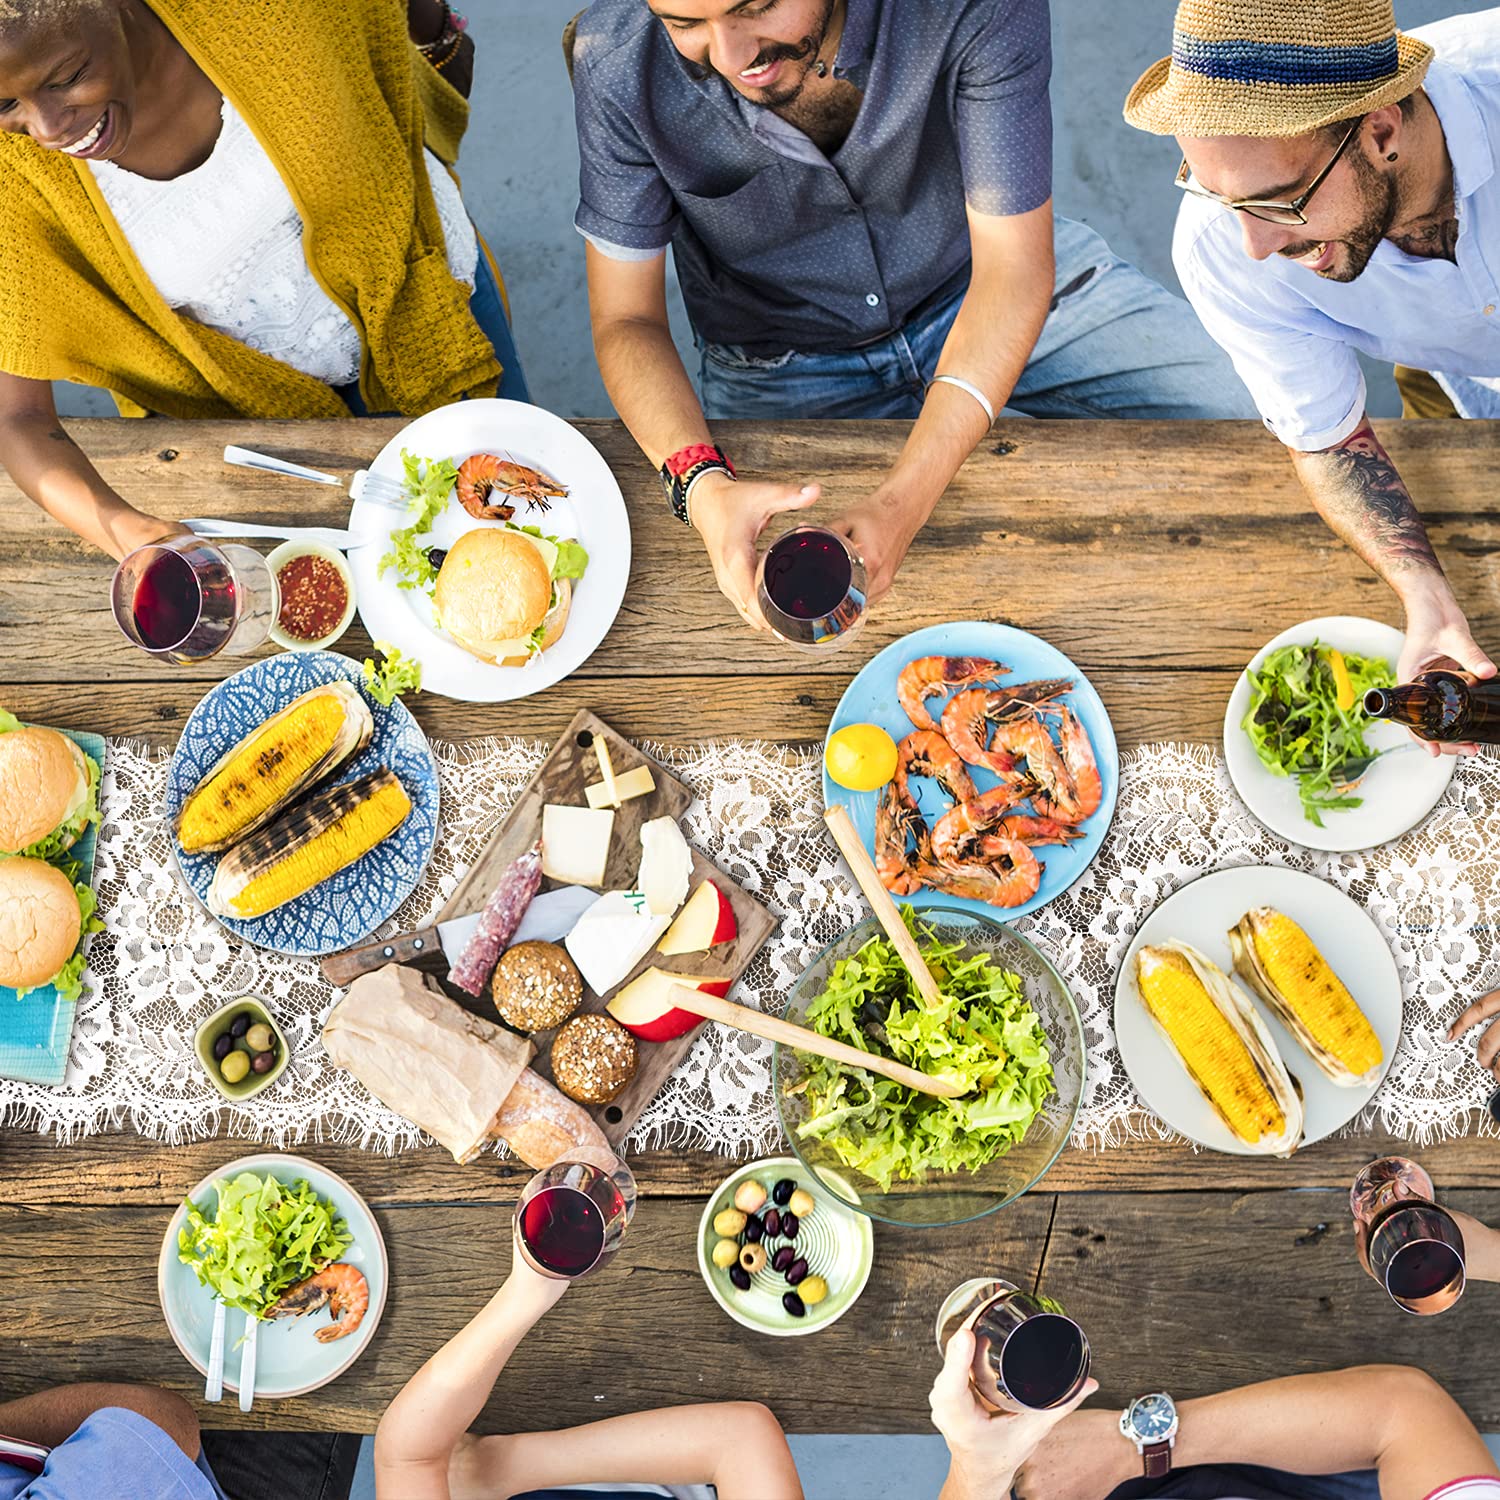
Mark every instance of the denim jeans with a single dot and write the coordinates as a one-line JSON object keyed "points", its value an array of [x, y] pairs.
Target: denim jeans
{"points": [[1247, 1482], [1115, 344]]}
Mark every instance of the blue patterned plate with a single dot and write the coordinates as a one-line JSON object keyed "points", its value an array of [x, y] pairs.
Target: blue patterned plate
{"points": [[871, 699], [347, 908], [35, 1032]]}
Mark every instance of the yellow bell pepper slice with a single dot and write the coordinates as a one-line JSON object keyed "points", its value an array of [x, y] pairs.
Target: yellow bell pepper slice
{"points": [[1343, 689]]}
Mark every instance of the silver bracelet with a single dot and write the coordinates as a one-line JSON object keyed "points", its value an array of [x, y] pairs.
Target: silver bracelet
{"points": [[972, 389]]}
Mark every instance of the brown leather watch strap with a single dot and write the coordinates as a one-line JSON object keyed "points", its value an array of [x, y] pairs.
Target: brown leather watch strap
{"points": [[1158, 1458]]}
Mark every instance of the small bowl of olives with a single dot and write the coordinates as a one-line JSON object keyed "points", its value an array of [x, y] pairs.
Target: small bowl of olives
{"points": [[779, 1251], [241, 1049]]}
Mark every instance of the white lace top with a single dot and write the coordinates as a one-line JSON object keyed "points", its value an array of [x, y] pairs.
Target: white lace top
{"points": [[223, 244]]}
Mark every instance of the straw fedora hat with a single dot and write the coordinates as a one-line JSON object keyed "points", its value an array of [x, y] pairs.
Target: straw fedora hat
{"points": [[1276, 67]]}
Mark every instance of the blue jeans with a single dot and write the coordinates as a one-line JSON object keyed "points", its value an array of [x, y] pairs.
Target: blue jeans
{"points": [[1247, 1482], [1115, 344], [488, 309]]}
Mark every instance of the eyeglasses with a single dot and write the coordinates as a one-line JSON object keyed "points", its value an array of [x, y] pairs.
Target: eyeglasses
{"points": [[1272, 213]]}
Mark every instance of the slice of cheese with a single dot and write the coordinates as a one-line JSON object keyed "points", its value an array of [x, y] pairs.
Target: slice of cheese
{"points": [[612, 937], [575, 843], [637, 783], [606, 772], [666, 865]]}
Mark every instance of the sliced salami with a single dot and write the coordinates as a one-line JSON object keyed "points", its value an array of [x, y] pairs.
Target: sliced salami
{"points": [[498, 922]]}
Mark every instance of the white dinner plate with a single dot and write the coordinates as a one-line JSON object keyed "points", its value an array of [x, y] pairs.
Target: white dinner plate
{"points": [[289, 1361], [593, 513], [1201, 913], [1398, 790]]}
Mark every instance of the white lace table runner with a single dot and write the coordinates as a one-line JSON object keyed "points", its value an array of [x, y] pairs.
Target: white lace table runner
{"points": [[160, 966]]}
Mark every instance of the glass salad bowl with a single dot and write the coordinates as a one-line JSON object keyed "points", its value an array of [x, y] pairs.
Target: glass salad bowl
{"points": [[826, 1127]]}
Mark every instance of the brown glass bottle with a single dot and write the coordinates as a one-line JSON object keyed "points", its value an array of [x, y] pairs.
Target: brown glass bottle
{"points": [[1441, 706]]}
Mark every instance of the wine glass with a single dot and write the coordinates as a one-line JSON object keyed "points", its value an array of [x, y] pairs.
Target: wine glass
{"points": [[1415, 1248], [1028, 1355], [572, 1216], [186, 599], [811, 587]]}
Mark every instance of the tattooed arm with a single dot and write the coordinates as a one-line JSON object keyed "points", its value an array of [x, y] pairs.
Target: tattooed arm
{"points": [[49, 467], [1359, 493]]}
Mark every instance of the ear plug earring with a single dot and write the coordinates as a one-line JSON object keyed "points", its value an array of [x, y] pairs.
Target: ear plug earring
{"points": [[1393, 156]]}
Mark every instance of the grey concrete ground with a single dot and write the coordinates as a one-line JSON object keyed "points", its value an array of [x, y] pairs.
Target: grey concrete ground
{"points": [[520, 171]]}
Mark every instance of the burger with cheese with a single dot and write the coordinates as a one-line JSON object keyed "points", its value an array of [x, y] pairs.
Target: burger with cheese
{"points": [[504, 592], [48, 790], [43, 917]]}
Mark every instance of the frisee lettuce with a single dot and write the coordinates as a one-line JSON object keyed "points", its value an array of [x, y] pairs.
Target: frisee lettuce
{"points": [[1298, 729], [983, 1035], [395, 675], [264, 1237], [428, 484]]}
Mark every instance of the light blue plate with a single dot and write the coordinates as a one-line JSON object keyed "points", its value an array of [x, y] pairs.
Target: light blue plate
{"points": [[871, 699], [347, 908], [35, 1032], [289, 1361]]}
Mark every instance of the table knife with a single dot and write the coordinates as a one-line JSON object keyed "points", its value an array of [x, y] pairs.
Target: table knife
{"points": [[550, 917]]}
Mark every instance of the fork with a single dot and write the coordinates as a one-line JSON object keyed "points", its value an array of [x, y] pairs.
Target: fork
{"points": [[362, 486]]}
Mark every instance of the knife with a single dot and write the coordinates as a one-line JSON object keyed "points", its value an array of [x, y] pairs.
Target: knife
{"points": [[550, 917]]}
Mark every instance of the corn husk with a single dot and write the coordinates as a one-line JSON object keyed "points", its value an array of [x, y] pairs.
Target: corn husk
{"points": [[1248, 1063], [1280, 963], [307, 845], [249, 784]]}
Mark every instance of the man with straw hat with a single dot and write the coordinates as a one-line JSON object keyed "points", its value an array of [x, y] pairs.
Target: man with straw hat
{"points": [[1341, 193]]}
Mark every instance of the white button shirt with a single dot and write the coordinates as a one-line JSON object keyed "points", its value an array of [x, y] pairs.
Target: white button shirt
{"points": [[1293, 336]]}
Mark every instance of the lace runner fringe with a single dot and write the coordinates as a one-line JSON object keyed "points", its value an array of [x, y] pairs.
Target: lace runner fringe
{"points": [[161, 965]]}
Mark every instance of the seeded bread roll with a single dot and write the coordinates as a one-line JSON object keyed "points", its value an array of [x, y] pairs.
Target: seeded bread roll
{"points": [[536, 986], [593, 1058]]}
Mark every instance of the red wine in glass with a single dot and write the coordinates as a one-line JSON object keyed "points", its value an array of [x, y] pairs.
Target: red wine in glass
{"points": [[1414, 1247], [571, 1217], [1425, 1276], [1044, 1361], [812, 587]]}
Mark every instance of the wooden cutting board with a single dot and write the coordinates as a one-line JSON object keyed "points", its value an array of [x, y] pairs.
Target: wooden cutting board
{"points": [[568, 769]]}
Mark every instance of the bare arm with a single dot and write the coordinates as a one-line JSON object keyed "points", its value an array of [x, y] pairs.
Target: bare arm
{"points": [[49, 468], [992, 337], [424, 24], [651, 391], [52, 1417], [1359, 492]]}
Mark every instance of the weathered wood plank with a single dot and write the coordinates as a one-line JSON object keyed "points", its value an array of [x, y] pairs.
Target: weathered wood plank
{"points": [[1195, 1293], [641, 1333]]}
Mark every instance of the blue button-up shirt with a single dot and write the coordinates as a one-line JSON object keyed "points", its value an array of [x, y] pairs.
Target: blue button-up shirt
{"points": [[777, 245]]}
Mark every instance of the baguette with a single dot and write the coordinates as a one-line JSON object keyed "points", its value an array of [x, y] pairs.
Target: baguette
{"points": [[542, 1125]]}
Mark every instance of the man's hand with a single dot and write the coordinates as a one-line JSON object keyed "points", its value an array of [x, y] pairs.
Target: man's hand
{"points": [[880, 528], [1487, 1050], [986, 1449], [730, 516], [1438, 639], [1084, 1458]]}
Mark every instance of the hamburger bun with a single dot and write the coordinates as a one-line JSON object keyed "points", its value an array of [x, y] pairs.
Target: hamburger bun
{"points": [[40, 923], [493, 590], [44, 780]]}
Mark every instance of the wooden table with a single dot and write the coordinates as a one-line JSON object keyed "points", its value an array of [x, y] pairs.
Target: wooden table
{"points": [[1159, 557]]}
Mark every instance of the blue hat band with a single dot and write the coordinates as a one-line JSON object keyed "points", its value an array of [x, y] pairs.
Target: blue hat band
{"points": [[1286, 62]]}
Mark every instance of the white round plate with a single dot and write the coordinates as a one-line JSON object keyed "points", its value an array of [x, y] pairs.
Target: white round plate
{"points": [[1399, 790], [1201, 913], [594, 512], [289, 1361]]}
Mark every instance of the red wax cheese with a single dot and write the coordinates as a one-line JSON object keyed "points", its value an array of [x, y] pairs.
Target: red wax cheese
{"points": [[644, 1007], [707, 919]]}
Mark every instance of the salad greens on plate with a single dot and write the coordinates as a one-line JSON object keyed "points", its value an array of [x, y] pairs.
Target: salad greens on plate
{"points": [[983, 1035], [264, 1237], [1307, 720]]}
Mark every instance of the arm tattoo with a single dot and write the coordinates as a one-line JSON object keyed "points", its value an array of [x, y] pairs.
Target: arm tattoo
{"points": [[59, 436], [1364, 499]]}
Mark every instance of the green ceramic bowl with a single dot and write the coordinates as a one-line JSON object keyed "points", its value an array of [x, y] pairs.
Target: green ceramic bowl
{"points": [[252, 1083], [838, 1245]]}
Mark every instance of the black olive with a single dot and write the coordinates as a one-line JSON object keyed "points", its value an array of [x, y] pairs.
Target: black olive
{"points": [[797, 1271], [222, 1043], [263, 1062], [754, 1229], [436, 556], [790, 1224], [740, 1277], [783, 1258], [772, 1222], [793, 1304], [241, 1024], [783, 1191]]}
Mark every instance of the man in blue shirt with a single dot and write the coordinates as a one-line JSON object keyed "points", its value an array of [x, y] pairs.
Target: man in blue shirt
{"points": [[857, 194]]}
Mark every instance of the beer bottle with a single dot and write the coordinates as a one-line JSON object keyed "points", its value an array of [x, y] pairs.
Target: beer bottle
{"points": [[1441, 706]]}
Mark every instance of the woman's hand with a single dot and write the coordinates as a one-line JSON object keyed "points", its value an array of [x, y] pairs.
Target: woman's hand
{"points": [[1487, 1049]]}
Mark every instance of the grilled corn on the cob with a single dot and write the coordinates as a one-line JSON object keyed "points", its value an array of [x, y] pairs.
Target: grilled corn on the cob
{"points": [[1278, 960], [307, 740], [1223, 1044], [307, 844]]}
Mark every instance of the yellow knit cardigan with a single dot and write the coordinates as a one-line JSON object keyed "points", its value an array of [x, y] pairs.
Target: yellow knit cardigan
{"points": [[343, 105]]}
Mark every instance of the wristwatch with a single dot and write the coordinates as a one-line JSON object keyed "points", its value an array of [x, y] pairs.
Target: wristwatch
{"points": [[1150, 1422]]}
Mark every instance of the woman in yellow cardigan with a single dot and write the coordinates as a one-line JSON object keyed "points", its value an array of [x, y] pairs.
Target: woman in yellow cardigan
{"points": [[220, 208]]}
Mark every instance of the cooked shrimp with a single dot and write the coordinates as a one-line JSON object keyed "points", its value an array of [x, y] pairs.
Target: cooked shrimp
{"points": [[1036, 831], [1011, 878], [341, 1288], [894, 819], [1026, 739], [484, 474], [967, 718], [925, 752], [1001, 703], [1083, 772], [920, 679], [956, 833]]}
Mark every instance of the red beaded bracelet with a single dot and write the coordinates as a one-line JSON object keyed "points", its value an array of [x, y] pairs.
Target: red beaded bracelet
{"points": [[685, 458]]}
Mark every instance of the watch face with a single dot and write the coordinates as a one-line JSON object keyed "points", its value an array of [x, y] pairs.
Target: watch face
{"points": [[1152, 1417]]}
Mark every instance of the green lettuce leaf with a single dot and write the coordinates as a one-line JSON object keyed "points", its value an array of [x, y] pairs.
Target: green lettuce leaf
{"points": [[428, 484], [395, 675], [572, 557]]}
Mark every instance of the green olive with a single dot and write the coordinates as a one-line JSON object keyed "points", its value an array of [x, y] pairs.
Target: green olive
{"points": [[260, 1037], [235, 1067], [726, 1252], [729, 1222]]}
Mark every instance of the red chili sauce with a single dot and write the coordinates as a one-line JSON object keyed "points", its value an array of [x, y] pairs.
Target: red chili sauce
{"points": [[313, 597]]}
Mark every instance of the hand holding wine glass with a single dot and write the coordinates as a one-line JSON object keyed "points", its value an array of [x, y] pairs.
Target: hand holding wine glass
{"points": [[572, 1216]]}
